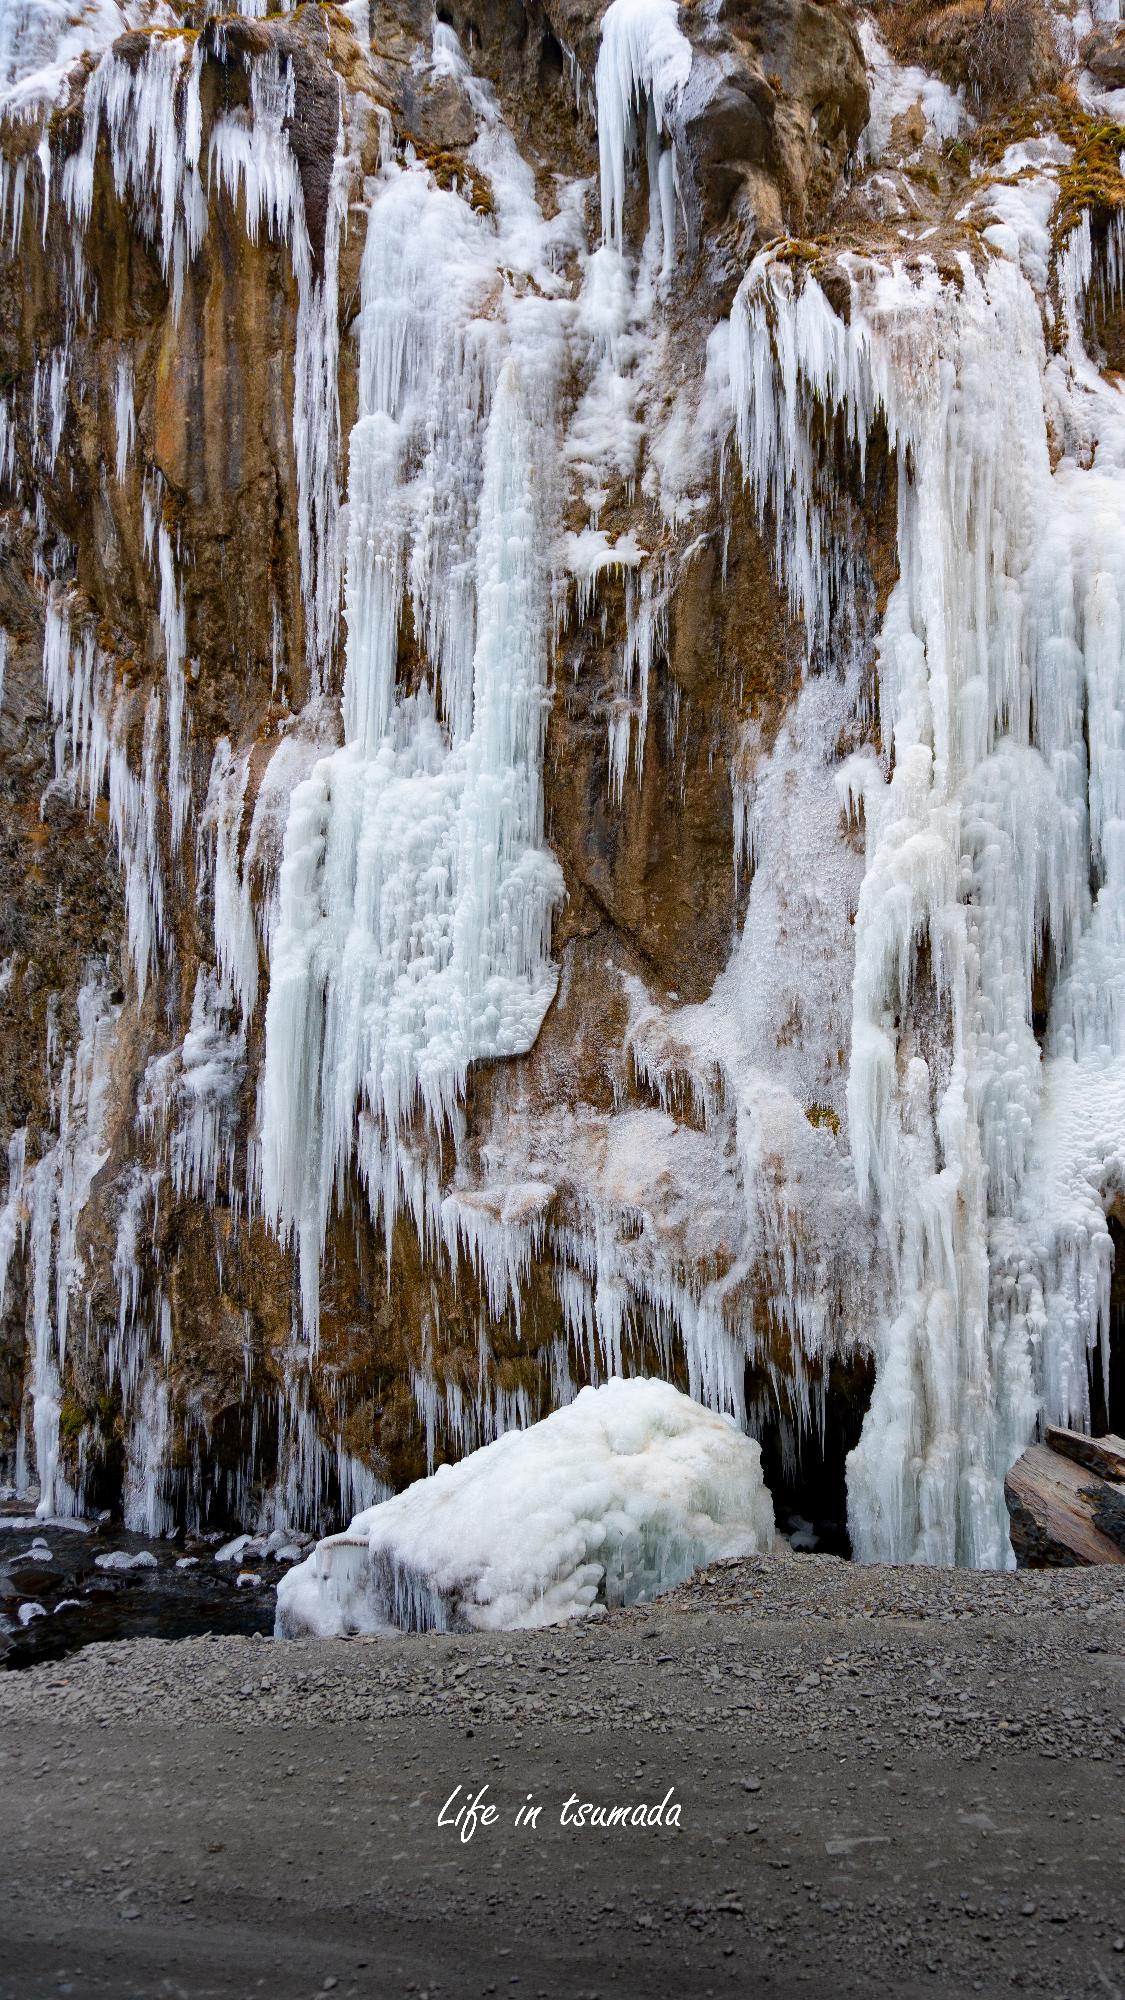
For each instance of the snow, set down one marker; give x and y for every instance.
(612, 1500)
(23, 1524)
(232, 1551)
(38, 1552)
(120, 1559)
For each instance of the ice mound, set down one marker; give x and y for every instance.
(615, 1498)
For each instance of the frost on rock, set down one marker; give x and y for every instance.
(612, 1500)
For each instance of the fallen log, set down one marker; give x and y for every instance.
(1104, 1455)
(1060, 1512)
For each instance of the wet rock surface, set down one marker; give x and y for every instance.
(890, 1782)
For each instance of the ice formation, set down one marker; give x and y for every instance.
(617, 1497)
(415, 895)
(897, 88)
(644, 61)
(897, 1116)
(992, 844)
(53, 1195)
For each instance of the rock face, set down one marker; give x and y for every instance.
(462, 493)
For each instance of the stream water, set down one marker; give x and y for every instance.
(68, 1584)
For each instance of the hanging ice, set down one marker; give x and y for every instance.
(643, 64)
(57, 1190)
(415, 897)
(1002, 693)
(614, 1499)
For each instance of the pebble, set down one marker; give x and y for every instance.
(744, 1646)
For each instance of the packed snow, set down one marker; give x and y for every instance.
(611, 1500)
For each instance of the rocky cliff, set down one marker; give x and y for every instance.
(562, 733)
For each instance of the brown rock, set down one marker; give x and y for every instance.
(1103, 54)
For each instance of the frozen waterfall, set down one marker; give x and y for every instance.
(891, 1121)
(993, 850)
(415, 897)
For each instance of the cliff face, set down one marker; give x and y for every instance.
(503, 787)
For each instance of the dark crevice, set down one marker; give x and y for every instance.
(806, 1472)
(1041, 982)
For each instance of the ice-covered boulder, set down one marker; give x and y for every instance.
(615, 1498)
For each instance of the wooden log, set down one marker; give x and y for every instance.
(1104, 1455)
(1051, 1505)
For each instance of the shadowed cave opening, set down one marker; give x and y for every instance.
(806, 1471)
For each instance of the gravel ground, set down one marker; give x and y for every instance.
(890, 1782)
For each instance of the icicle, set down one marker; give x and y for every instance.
(124, 417)
(91, 727)
(415, 894)
(153, 122)
(213, 1062)
(173, 627)
(60, 1187)
(13, 1219)
(145, 1504)
(643, 64)
(249, 155)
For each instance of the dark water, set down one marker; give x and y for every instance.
(162, 1602)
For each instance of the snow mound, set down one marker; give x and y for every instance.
(615, 1498)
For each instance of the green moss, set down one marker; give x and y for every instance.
(1092, 177)
(795, 250)
(72, 1420)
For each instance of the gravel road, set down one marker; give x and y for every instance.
(890, 1782)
